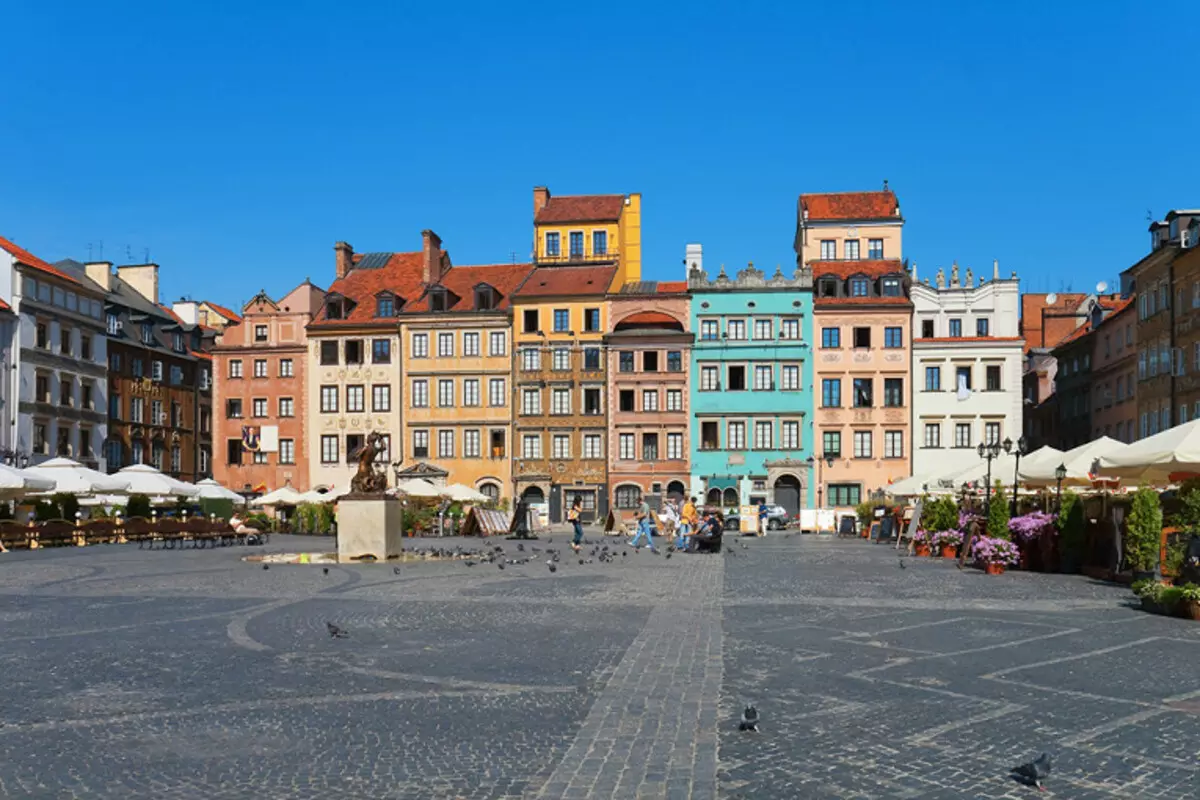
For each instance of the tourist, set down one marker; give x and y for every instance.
(763, 511)
(643, 526)
(239, 525)
(688, 520)
(669, 519)
(573, 516)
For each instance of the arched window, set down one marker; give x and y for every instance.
(628, 496)
(491, 490)
(731, 497)
(713, 498)
(676, 489)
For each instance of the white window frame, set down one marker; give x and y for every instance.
(420, 345)
(472, 443)
(420, 393)
(445, 393)
(470, 344)
(470, 393)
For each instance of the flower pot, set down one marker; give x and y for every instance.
(949, 551)
(1190, 609)
(922, 549)
(993, 568)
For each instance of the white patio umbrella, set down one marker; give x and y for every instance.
(419, 487)
(1164, 458)
(464, 494)
(283, 496)
(211, 490)
(1079, 463)
(328, 496)
(145, 479)
(71, 477)
(1045, 457)
(15, 483)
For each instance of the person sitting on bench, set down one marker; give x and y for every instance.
(710, 533)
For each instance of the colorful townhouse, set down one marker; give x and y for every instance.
(751, 379)
(649, 356)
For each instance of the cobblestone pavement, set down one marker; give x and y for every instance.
(194, 674)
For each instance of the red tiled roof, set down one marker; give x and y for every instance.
(1078, 333)
(224, 312)
(27, 258)
(650, 319)
(828, 302)
(461, 282)
(582, 208)
(672, 287)
(201, 354)
(846, 269)
(968, 339)
(1123, 305)
(171, 313)
(850, 205)
(567, 281)
(401, 275)
(5, 306)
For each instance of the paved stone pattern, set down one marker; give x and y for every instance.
(193, 674)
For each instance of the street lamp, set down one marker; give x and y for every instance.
(1060, 473)
(990, 452)
(1021, 449)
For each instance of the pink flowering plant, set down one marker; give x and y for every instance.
(965, 518)
(922, 537)
(1033, 525)
(990, 550)
(948, 538)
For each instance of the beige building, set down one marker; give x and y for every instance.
(848, 226)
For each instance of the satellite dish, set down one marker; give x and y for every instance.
(1101, 287)
(1051, 299)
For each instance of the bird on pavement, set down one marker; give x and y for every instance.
(500, 565)
(395, 570)
(1035, 771)
(325, 570)
(749, 719)
(902, 564)
(335, 632)
(266, 566)
(552, 567)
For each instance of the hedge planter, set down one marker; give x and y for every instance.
(993, 568)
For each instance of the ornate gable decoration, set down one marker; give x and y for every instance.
(749, 279)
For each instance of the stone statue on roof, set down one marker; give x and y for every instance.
(941, 278)
(954, 275)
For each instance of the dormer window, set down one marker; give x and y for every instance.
(828, 287)
(385, 305)
(177, 342)
(891, 287)
(437, 299)
(859, 287)
(147, 333)
(486, 298)
(335, 307)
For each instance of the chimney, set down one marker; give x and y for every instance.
(187, 310)
(343, 259)
(143, 278)
(100, 272)
(541, 196)
(432, 250)
(693, 258)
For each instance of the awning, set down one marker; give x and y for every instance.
(722, 482)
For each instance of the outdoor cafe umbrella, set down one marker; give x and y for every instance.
(71, 477)
(327, 496)
(1079, 462)
(419, 487)
(145, 479)
(1171, 456)
(211, 490)
(283, 496)
(464, 494)
(15, 483)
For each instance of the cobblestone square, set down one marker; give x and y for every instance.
(194, 674)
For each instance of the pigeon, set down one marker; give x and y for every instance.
(581, 562)
(668, 555)
(500, 565)
(520, 547)
(395, 570)
(1033, 772)
(553, 568)
(749, 720)
(266, 566)
(470, 563)
(335, 632)
(624, 553)
(325, 570)
(902, 564)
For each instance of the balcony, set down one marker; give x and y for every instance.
(570, 259)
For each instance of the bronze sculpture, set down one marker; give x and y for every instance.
(369, 479)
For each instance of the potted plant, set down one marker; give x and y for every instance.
(995, 554)
(1171, 599)
(922, 541)
(1190, 601)
(1071, 526)
(1143, 533)
(1148, 591)
(997, 521)
(948, 542)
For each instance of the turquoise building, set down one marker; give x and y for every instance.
(751, 388)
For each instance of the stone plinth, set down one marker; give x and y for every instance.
(368, 525)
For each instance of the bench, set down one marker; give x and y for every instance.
(54, 533)
(201, 531)
(14, 535)
(98, 531)
(171, 532)
(140, 530)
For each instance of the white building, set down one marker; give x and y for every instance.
(56, 365)
(967, 361)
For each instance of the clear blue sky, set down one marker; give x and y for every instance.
(239, 141)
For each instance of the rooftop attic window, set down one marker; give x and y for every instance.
(891, 287)
(828, 287)
(385, 305)
(486, 298)
(437, 299)
(859, 287)
(335, 308)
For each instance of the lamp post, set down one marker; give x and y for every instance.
(1021, 448)
(1060, 473)
(990, 452)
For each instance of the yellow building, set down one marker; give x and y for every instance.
(457, 366)
(589, 230)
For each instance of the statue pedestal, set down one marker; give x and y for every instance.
(368, 525)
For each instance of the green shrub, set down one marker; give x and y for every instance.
(1191, 592)
(866, 513)
(67, 504)
(1070, 524)
(1170, 597)
(1143, 530)
(324, 519)
(1141, 587)
(997, 521)
(939, 514)
(45, 510)
(138, 506)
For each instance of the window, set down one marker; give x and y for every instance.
(147, 333)
(737, 378)
(708, 436)
(933, 434)
(627, 497)
(156, 371)
(471, 392)
(552, 244)
(381, 397)
(575, 239)
(862, 337)
(831, 337)
(736, 329)
(445, 443)
(862, 444)
(562, 320)
(531, 359)
(420, 444)
(926, 329)
(176, 375)
(674, 446)
(470, 344)
(844, 494)
(891, 287)
(287, 451)
(933, 379)
(233, 408)
(962, 434)
(650, 447)
(286, 368)
(789, 438)
(472, 444)
(497, 343)
(893, 337)
(831, 442)
(159, 417)
(560, 401)
(420, 393)
(329, 449)
(385, 306)
(235, 368)
(445, 345)
(591, 358)
(64, 336)
(764, 435)
(851, 249)
(709, 330)
(864, 391)
(649, 400)
(831, 392)
(828, 249)
(893, 444)
(287, 407)
(112, 324)
(531, 401)
(445, 394)
(381, 351)
(329, 399)
(962, 377)
(354, 351)
(626, 447)
(981, 326)
(420, 345)
(991, 432)
(260, 368)
(859, 287)
(650, 361)
(591, 446)
(956, 327)
(625, 400)
(86, 396)
(736, 434)
(791, 377)
(591, 401)
(789, 328)
(993, 378)
(355, 399)
(763, 378)
(763, 329)
(674, 361)
(893, 392)
(137, 452)
(875, 249)
(529, 321)
(709, 379)
(625, 361)
(599, 243)
(497, 393)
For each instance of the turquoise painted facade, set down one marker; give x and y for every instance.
(751, 396)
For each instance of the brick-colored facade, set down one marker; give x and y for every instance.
(260, 369)
(1114, 374)
(1187, 325)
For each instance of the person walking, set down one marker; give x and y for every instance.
(669, 519)
(643, 526)
(688, 521)
(762, 517)
(573, 516)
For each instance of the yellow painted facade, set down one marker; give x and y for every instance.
(623, 243)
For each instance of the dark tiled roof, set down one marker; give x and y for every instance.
(567, 281)
(850, 205)
(582, 208)
(461, 283)
(27, 258)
